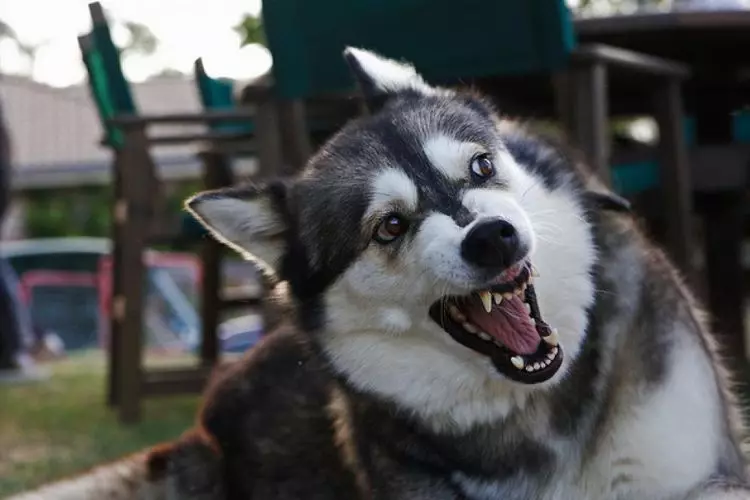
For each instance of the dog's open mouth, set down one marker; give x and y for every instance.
(504, 323)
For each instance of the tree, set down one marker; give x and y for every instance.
(29, 50)
(142, 39)
(584, 6)
(250, 28)
(7, 32)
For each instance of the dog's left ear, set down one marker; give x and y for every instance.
(380, 78)
(608, 201)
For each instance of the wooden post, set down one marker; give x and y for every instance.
(215, 174)
(592, 120)
(295, 136)
(676, 183)
(269, 138)
(134, 209)
(115, 330)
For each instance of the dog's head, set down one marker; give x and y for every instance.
(441, 255)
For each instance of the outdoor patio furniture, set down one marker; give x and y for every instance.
(139, 221)
(498, 46)
(716, 99)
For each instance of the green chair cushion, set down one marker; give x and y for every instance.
(307, 38)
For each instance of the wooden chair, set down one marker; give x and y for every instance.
(488, 42)
(139, 221)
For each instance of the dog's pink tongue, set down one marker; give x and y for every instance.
(508, 323)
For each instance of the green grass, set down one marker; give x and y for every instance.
(60, 426)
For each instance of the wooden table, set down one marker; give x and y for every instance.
(715, 45)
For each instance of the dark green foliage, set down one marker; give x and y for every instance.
(251, 30)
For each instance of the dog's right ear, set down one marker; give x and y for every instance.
(250, 219)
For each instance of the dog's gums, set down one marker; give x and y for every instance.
(504, 323)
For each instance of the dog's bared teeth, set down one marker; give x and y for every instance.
(470, 328)
(534, 272)
(483, 335)
(530, 368)
(456, 314)
(498, 298)
(537, 366)
(518, 362)
(507, 295)
(528, 307)
(486, 300)
(553, 338)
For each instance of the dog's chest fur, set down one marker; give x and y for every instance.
(292, 429)
(639, 398)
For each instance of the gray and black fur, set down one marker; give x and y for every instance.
(289, 422)
(361, 394)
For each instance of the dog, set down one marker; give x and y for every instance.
(473, 316)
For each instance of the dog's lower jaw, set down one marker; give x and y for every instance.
(422, 370)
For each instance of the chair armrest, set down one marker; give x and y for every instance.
(130, 121)
(627, 59)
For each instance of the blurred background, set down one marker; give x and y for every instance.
(114, 304)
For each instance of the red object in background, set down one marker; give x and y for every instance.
(102, 281)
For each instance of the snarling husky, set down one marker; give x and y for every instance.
(473, 317)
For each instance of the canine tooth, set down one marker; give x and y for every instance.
(498, 298)
(470, 328)
(534, 272)
(553, 338)
(537, 366)
(517, 362)
(486, 300)
(483, 336)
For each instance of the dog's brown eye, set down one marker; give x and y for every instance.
(390, 228)
(482, 167)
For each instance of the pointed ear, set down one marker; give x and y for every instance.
(608, 201)
(379, 78)
(249, 219)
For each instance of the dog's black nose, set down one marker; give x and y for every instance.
(492, 244)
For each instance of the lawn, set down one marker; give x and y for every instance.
(59, 426)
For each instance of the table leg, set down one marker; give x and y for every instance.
(724, 218)
(676, 184)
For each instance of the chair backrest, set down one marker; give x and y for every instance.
(109, 88)
(218, 94)
(445, 40)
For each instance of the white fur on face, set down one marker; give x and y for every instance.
(380, 334)
(563, 254)
(450, 156)
(391, 186)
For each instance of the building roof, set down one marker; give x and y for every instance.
(55, 133)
